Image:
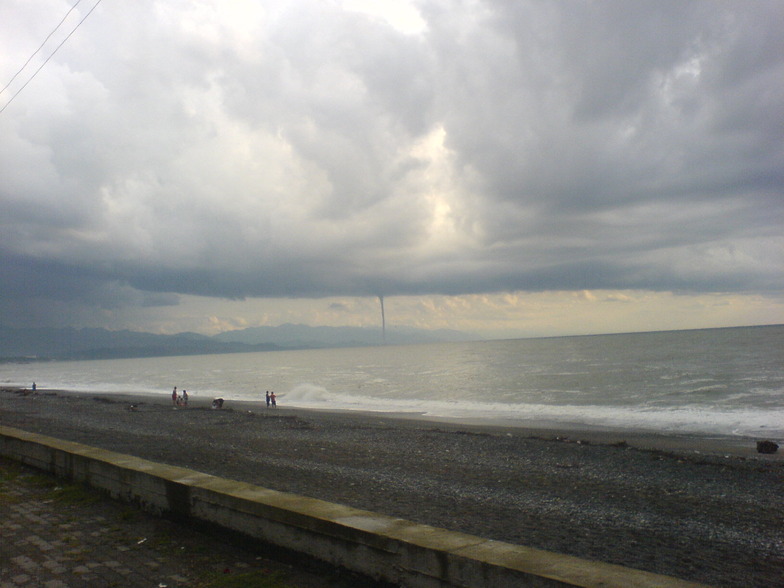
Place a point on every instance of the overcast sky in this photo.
(510, 168)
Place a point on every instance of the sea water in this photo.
(713, 381)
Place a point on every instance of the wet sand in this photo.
(705, 509)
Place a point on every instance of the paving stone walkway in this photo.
(57, 535)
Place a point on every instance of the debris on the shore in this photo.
(767, 447)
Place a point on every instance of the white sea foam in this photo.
(305, 394)
(687, 419)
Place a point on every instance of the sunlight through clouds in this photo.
(402, 15)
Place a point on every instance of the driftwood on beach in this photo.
(697, 516)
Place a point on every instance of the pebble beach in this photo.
(709, 510)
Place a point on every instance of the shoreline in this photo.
(685, 507)
(695, 444)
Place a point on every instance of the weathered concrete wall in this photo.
(381, 547)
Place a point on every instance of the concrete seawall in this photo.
(381, 547)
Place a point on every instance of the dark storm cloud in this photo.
(300, 149)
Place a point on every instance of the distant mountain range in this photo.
(70, 343)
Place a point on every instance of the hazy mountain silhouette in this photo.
(72, 343)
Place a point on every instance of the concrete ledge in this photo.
(381, 547)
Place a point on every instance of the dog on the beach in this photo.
(217, 403)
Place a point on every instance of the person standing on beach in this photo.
(272, 400)
(174, 396)
(185, 398)
(268, 398)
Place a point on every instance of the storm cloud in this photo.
(318, 148)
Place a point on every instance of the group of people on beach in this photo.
(271, 399)
(182, 399)
(179, 399)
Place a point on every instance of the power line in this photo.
(40, 47)
(50, 56)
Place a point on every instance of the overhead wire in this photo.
(35, 73)
(49, 36)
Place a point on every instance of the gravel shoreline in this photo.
(649, 502)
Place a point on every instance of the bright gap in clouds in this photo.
(400, 15)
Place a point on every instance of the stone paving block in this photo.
(81, 570)
(24, 562)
